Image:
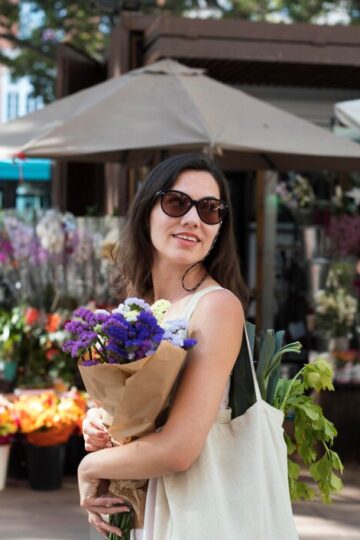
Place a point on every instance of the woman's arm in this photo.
(217, 325)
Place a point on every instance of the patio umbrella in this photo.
(348, 112)
(171, 106)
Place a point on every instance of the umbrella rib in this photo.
(183, 86)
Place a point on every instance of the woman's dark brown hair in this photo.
(133, 256)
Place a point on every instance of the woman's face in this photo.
(187, 239)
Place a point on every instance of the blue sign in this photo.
(32, 170)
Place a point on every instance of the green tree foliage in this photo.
(36, 27)
(77, 23)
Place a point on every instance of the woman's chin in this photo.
(183, 260)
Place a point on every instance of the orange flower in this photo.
(50, 353)
(32, 315)
(346, 356)
(8, 421)
(48, 411)
(53, 322)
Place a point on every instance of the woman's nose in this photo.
(191, 217)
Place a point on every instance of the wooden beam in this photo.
(279, 52)
(266, 220)
(260, 239)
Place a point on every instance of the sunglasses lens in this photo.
(175, 204)
(211, 211)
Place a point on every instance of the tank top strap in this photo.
(194, 299)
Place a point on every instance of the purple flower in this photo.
(137, 303)
(77, 327)
(189, 343)
(86, 315)
(76, 347)
(101, 315)
(90, 363)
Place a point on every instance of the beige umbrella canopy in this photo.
(170, 106)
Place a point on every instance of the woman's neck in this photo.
(167, 280)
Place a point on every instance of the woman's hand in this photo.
(98, 506)
(96, 502)
(96, 436)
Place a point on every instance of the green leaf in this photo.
(336, 461)
(293, 469)
(336, 483)
(321, 469)
(241, 394)
(267, 347)
(329, 430)
(318, 375)
(310, 410)
(291, 446)
(307, 451)
(300, 491)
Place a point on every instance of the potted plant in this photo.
(11, 334)
(47, 421)
(335, 312)
(298, 196)
(8, 426)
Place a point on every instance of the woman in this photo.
(179, 245)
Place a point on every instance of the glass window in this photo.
(12, 105)
(33, 103)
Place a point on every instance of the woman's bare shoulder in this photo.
(219, 303)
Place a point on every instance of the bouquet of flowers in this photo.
(297, 193)
(47, 419)
(335, 311)
(8, 421)
(129, 359)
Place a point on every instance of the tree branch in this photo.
(25, 44)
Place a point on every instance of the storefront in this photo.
(25, 184)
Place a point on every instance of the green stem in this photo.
(125, 522)
(283, 403)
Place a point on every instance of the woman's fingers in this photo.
(104, 500)
(92, 447)
(96, 436)
(101, 526)
(91, 428)
(108, 509)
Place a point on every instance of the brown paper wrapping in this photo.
(133, 395)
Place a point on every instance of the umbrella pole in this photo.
(266, 219)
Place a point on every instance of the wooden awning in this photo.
(237, 51)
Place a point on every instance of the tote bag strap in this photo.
(252, 367)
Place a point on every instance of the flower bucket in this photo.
(318, 270)
(4, 459)
(17, 468)
(341, 343)
(45, 466)
(313, 241)
(74, 453)
(10, 368)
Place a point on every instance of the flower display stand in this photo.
(4, 459)
(45, 466)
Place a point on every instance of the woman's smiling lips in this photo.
(186, 239)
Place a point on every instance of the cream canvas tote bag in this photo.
(238, 487)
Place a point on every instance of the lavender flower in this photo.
(86, 315)
(90, 362)
(189, 343)
(176, 334)
(137, 303)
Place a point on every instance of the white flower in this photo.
(354, 194)
(159, 308)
